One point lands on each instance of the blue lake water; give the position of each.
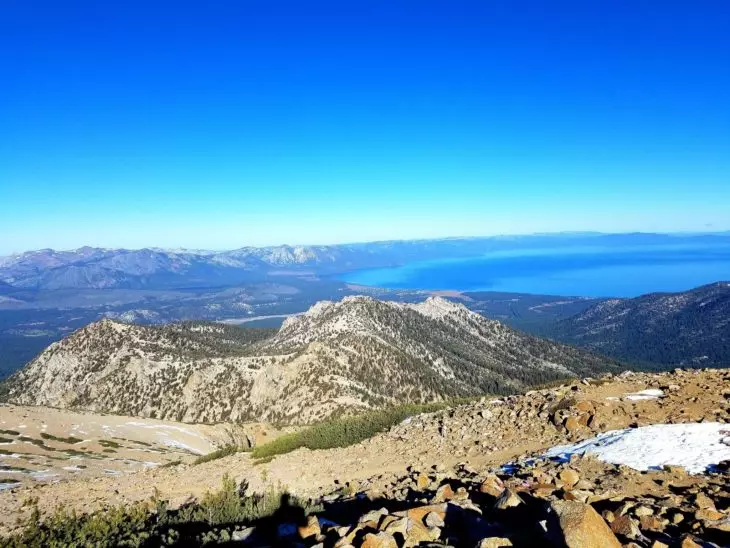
(585, 271)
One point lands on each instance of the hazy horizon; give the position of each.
(566, 233)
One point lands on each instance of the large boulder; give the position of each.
(580, 526)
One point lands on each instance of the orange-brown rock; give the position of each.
(582, 527)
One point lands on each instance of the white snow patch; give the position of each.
(694, 446)
(180, 445)
(4, 486)
(649, 394)
(43, 475)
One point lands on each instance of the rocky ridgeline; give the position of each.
(338, 358)
(580, 504)
(531, 500)
(542, 418)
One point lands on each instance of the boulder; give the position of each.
(373, 516)
(433, 519)
(569, 477)
(494, 542)
(379, 540)
(626, 525)
(572, 424)
(492, 485)
(580, 526)
(444, 493)
(508, 499)
(702, 501)
(708, 514)
(311, 529)
(688, 542)
(419, 512)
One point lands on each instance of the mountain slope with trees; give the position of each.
(687, 328)
(338, 357)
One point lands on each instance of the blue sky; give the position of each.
(221, 124)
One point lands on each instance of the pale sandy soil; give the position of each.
(41, 447)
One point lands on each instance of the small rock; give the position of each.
(393, 525)
(625, 525)
(651, 523)
(569, 477)
(444, 493)
(508, 499)
(240, 536)
(584, 406)
(643, 511)
(419, 512)
(432, 519)
(708, 514)
(311, 529)
(719, 525)
(373, 516)
(422, 482)
(688, 542)
(492, 485)
(494, 542)
(702, 501)
(572, 424)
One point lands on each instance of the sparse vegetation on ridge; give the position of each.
(220, 453)
(153, 523)
(345, 431)
(69, 439)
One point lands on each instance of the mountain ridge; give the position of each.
(339, 357)
(104, 268)
(681, 328)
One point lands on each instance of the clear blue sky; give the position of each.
(221, 124)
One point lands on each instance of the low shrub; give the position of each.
(220, 453)
(109, 443)
(152, 523)
(345, 431)
(70, 439)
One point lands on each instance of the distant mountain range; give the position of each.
(336, 358)
(688, 328)
(99, 268)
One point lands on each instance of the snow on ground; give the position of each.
(649, 394)
(694, 446)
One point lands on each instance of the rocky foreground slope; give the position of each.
(338, 357)
(477, 475)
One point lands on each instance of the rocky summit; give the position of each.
(339, 357)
